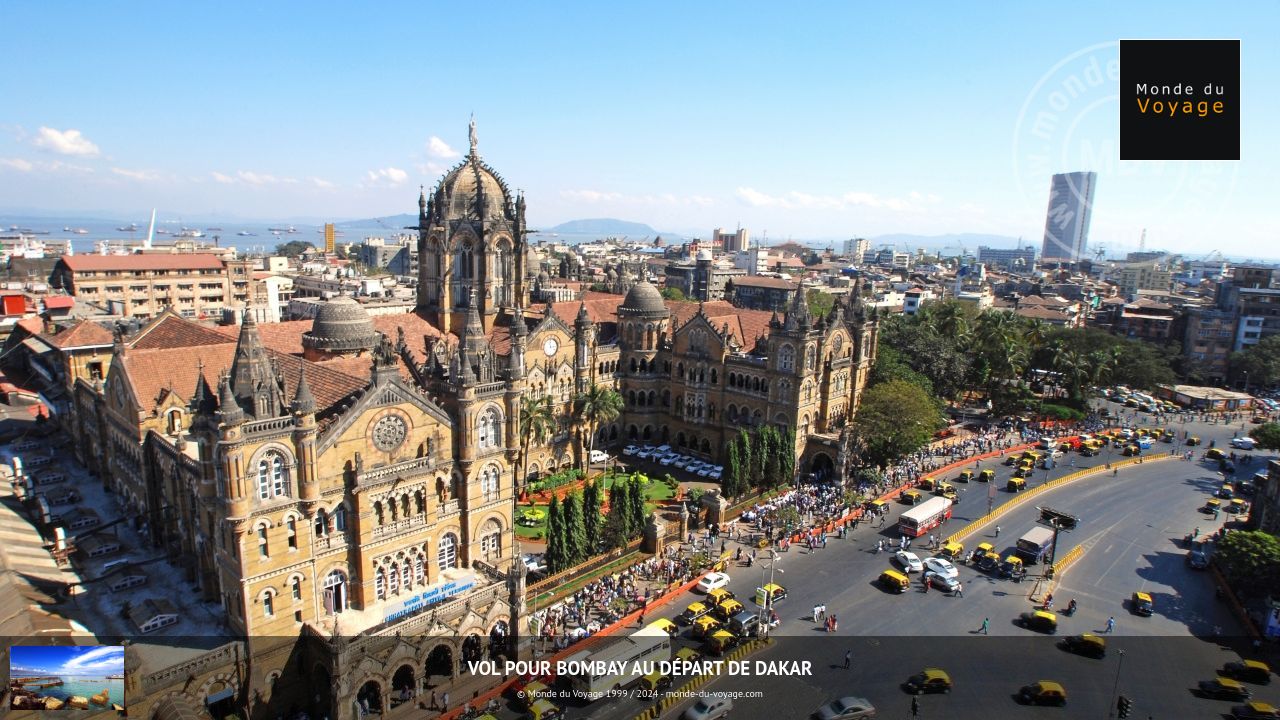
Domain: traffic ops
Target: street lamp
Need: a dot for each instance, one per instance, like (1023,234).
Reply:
(1116,687)
(767,605)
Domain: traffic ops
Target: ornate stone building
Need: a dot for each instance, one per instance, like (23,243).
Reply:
(344,487)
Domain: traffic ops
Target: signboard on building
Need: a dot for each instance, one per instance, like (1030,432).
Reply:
(431,596)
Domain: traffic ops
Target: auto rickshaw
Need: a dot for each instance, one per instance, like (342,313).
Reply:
(987,475)
(1167,436)
(952,550)
(1225,491)
(1132,450)
(876,507)
(770,594)
(1238,507)
(912,497)
(947,491)
(717,596)
(926,484)
(1087,644)
(1212,506)
(989,562)
(1012,460)
(1015,485)
(1023,472)
(666,626)
(720,642)
(544,710)
(1142,604)
(695,611)
(654,682)
(728,609)
(964,476)
(1012,567)
(703,626)
(688,655)
(532,693)
(1193,441)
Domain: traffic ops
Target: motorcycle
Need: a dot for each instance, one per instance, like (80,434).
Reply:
(1071,609)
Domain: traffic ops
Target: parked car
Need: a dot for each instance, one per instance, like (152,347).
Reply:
(709,708)
(599,456)
(630,450)
(846,708)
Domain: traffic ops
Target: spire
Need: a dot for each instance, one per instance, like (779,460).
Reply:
(229,411)
(474,327)
(254,380)
(304,403)
(798,317)
(518,327)
(203,399)
(422,201)
(583,318)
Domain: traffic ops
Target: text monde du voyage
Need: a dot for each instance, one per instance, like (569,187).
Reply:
(1179,100)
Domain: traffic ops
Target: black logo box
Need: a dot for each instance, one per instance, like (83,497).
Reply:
(1158,78)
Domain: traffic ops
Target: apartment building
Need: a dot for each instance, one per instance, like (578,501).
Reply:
(143,285)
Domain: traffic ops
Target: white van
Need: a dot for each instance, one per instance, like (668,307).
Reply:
(599,456)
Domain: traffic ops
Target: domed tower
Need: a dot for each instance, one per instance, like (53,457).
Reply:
(471,238)
(341,327)
(642,322)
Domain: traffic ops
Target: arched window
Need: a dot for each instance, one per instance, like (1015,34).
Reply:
(489,483)
(175,421)
(419,575)
(263,549)
(380,584)
(322,523)
(335,591)
(406,573)
(269,603)
(340,518)
(810,357)
(447,554)
(466,268)
(273,482)
(393,579)
(786,358)
(713,376)
(491,540)
(296,585)
(489,429)
(291,531)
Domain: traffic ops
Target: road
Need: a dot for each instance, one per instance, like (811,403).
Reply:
(1131,529)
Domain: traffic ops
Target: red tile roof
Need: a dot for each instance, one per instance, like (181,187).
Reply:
(170,330)
(82,334)
(149,261)
(762,281)
(744,325)
(59,302)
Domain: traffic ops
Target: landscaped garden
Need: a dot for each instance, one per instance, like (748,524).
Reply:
(533,510)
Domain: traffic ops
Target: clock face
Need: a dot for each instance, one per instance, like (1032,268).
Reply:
(389,432)
(550,346)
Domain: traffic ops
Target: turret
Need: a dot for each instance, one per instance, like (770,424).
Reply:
(229,412)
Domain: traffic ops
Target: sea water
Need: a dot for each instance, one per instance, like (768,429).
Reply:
(86,687)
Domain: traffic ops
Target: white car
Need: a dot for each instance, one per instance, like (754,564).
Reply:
(695,466)
(668,459)
(599,456)
(664,449)
(706,471)
(1243,443)
(846,708)
(715,474)
(941,566)
(644,453)
(713,581)
(630,450)
(909,561)
(680,461)
(709,708)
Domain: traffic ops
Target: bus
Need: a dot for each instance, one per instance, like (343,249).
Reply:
(924,517)
(648,644)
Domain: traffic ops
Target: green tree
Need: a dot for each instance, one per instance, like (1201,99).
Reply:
(746,457)
(592,520)
(575,529)
(293,248)
(760,448)
(557,559)
(1267,435)
(787,457)
(1250,561)
(889,365)
(1259,364)
(598,405)
(617,528)
(820,303)
(731,479)
(537,423)
(673,293)
(635,508)
(895,419)
(773,458)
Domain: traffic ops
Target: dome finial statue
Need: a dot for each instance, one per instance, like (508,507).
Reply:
(471,134)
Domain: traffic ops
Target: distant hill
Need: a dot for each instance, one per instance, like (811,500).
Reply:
(970,241)
(394,221)
(602,226)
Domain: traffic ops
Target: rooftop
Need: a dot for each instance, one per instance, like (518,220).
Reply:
(171,261)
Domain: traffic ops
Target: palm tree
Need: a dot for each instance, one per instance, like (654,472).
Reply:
(949,319)
(537,423)
(597,405)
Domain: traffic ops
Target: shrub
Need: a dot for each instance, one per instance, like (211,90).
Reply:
(1054,411)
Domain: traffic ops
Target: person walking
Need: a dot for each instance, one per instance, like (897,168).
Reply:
(986,626)
(1111,625)
(848,658)
(915,707)
(959,590)
(444,702)
(997,531)
(816,610)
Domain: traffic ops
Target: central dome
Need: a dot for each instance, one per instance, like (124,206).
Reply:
(460,187)
(644,297)
(341,326)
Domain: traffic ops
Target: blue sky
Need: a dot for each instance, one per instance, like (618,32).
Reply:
(806,120)
(83,660)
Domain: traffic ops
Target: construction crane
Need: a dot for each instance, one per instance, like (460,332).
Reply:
(1100,253)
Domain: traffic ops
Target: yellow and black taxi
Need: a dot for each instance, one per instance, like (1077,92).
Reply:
(720,642)
(703,626)
(1255,711)
(717,596)
(894,581)
(1041,621)
(926,484)
(654,682)
(1012,460)
(911,497)
(1131,450)
(1016,483)
(1167,436)
(688,655)
(770,594)
(951,550)
(1214,454)
(989,561)
(1221,688)
(1252,671)
(964,476)
(1193,441)
(728,609)
(1224,491)
(1211,506)
(948,491)
(987,475)
(1086,644)
(533,692)
(1142,604)
(544,710)
(666,626)
(929,680)
(1044,692)
(694,611)
(1237,506)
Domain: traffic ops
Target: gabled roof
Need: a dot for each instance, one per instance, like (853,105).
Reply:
(170,330)
(745,326)
(83,334)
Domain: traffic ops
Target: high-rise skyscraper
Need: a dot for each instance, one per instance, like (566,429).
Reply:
(1066,226)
